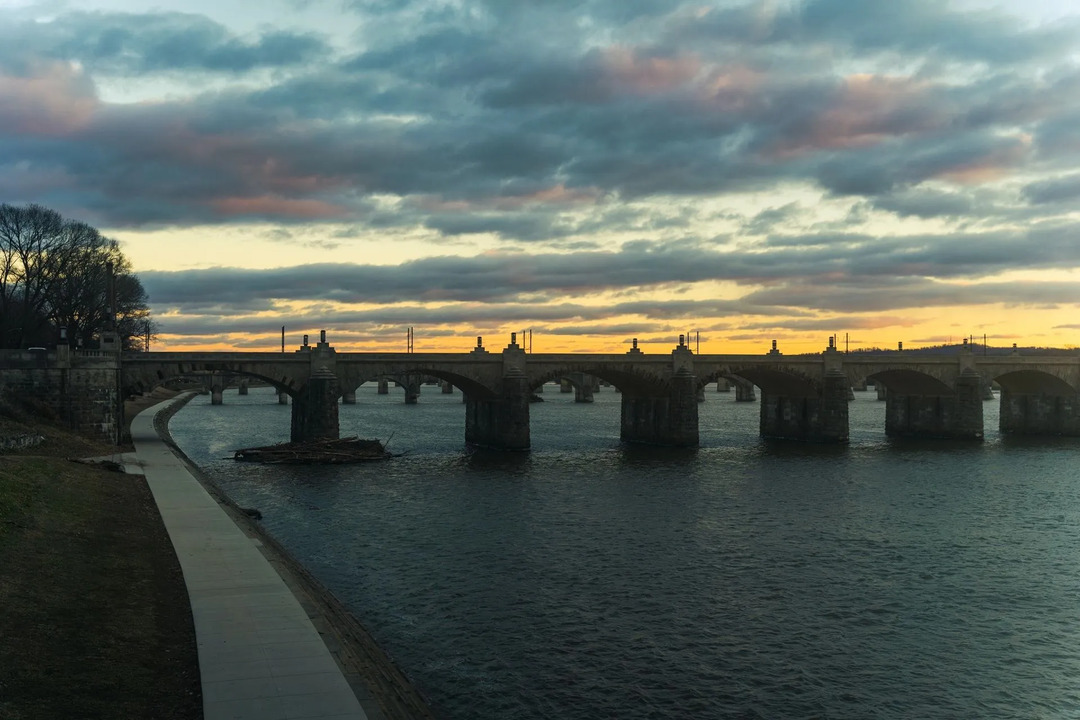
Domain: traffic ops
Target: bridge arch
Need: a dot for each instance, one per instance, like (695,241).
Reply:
(144,378)
(770,380)
(467,385)
(623,380)
(1033,382)
(910,382)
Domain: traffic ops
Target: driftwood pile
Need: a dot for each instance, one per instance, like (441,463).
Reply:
(316,452)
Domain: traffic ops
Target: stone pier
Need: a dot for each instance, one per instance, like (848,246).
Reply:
(957,414)
(817,414)
(315,409)
(383,387)
(348,397)
(447,387)
(501,422)
(1039,413)
(412,390)
(282,397)
(315,406)
(243,388)
(663,416)
(584,387)
(744,390)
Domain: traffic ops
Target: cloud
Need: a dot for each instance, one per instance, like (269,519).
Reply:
(156,42)
(798,271)
(1054,190)
(51,99)
(926,203)
(794,159)
(476,107)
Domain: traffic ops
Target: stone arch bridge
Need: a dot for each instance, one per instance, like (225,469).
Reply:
(803,397)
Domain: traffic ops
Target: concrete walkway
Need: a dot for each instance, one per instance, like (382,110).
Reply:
(259,655)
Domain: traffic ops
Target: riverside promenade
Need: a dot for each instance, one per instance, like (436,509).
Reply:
(260,656)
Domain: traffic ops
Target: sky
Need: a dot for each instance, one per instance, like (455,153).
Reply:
(593,171)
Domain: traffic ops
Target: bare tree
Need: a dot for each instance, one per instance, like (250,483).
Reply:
(28,237)
(53,273)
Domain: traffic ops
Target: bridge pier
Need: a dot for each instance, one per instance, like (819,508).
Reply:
(1039,414)
(670,419)
(447,387)
(882,393)
(565,386)
(348,397)
(584,386)
(956,416)
(282,397)
(744,390)
(722,385)
(243,388)
(315,409)
(384,387)
(412,391)
(502,422)
(668,416)
(820,418)
(217,391)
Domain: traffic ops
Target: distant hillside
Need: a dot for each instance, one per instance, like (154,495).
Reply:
(976,348)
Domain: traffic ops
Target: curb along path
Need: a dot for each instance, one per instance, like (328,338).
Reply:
(260,657)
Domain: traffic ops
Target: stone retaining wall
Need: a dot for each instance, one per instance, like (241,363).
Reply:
(79,389)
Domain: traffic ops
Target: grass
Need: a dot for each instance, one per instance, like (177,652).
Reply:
(95,619)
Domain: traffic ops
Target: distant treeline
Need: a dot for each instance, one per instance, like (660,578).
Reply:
(55,273)
(976,348)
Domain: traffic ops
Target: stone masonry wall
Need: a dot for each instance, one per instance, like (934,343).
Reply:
(84,398)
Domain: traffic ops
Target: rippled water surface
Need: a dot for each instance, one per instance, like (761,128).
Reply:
(740,580)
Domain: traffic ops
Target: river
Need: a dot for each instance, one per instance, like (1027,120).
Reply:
(744,579)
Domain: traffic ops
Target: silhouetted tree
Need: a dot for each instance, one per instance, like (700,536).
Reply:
(54,273)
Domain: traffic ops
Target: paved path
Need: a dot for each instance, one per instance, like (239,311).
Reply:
(259,655)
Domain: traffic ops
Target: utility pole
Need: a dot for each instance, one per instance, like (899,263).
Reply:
(110,293)
(282,338)
(409,341)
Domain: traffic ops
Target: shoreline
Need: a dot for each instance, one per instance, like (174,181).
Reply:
(383,689)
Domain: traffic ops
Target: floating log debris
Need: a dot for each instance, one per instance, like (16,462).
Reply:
(343,450)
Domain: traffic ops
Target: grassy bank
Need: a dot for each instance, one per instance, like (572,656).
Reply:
(96,621)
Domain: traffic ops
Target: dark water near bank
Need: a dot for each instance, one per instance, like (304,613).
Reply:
(740,580)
